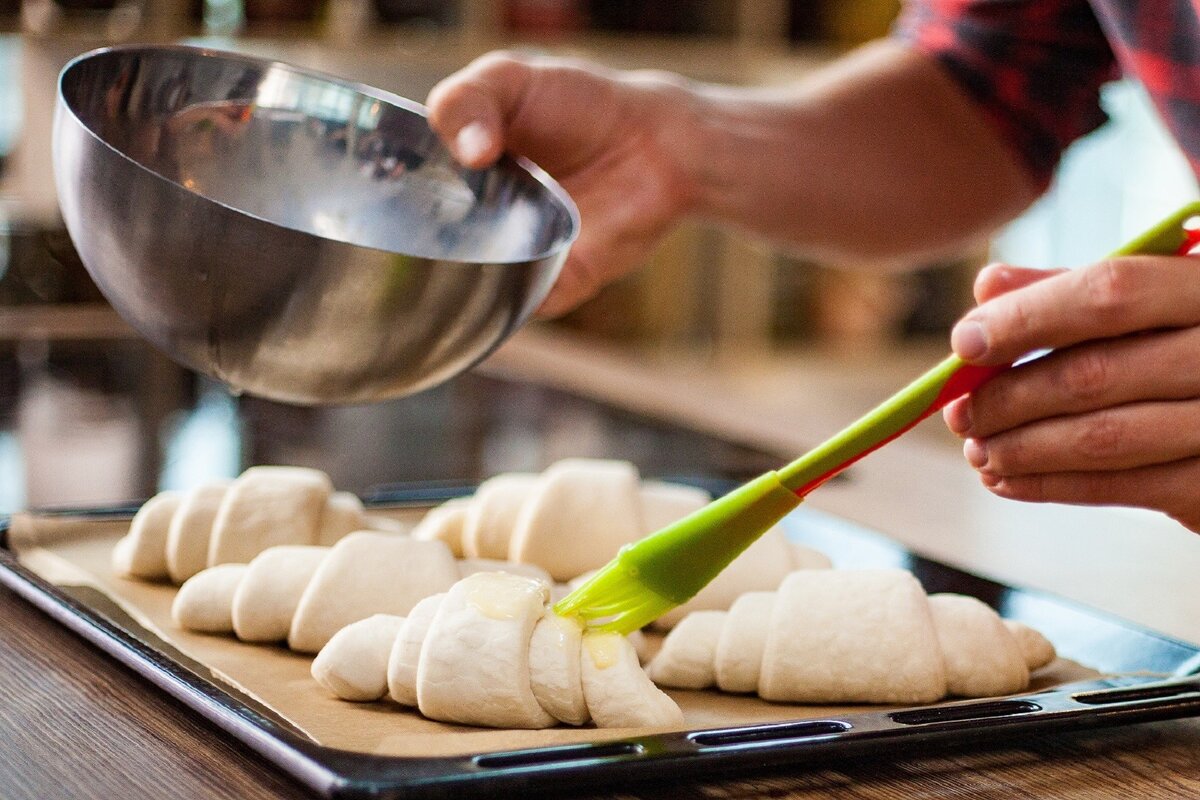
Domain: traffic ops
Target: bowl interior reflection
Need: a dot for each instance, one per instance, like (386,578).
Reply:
(325,157)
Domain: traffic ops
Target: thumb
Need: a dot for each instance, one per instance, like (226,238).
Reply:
(469,109)
(967,338)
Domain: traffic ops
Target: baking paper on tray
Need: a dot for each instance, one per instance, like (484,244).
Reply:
(280,680)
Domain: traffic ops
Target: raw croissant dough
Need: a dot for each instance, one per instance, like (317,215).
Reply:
(540,669)
(571,518)
(174,535)
(575,516)
(852,636)
(304,594)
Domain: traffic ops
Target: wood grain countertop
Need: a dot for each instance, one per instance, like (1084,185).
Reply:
(74,723)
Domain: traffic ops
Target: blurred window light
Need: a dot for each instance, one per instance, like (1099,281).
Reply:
(12,475)
(1111,185)
(223,17)
(204,444)
(10,93)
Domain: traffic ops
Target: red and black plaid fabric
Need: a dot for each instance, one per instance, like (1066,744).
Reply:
(1036,66)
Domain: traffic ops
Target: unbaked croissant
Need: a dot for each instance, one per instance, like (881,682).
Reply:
(576,515)
(578,512)
(852,636)
(175,534)
(305,593)
(489,652)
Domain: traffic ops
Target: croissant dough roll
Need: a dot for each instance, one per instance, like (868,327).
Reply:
(982,657)
(368,573)
(445,523)
(594,505)
(686,659)
(846,636)
(469,566)
(555,668)
(205,601)
(742,640)
(489,652)
(618,691)
(406,651)
(492,514)
(1035,648)
(142,553)
(492,613)
(805,557)
(664,504)
(268,506)
(343,514)
(354,664)
(190,530)
(270,592)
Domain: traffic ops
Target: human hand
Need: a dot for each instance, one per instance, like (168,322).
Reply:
(1112,415)
(606,136)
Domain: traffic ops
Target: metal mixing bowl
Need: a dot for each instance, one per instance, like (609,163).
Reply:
(295,235)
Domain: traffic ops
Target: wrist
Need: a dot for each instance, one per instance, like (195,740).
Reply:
(717,139)
(668,109)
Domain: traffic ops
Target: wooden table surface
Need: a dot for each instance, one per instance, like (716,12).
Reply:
(76,724)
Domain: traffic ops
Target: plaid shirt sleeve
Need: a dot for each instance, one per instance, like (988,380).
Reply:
(1035,67)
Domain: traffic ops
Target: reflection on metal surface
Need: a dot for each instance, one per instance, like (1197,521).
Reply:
(296,236)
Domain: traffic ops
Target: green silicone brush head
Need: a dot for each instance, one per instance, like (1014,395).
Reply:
(650,577)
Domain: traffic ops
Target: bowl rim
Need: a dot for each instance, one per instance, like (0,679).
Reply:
(553,187)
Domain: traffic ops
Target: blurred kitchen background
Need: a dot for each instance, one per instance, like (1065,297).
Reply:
(89,414)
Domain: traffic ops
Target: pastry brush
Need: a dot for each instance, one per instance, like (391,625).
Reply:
(667,568)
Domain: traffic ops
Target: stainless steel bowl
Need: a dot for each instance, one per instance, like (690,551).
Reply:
(297,236)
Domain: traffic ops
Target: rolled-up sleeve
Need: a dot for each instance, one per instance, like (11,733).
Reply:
(1035,67)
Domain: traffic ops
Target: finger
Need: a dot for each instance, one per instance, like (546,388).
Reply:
(1108,299)
(997,279)
(469,110)
(1170,488)
(957,415)
(1125,437)
(576,284)
(1087,377)
(622,218)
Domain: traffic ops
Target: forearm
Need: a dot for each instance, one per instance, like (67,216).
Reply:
(879,160)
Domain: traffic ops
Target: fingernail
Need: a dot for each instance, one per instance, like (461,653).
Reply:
(969,340)
(957,416)
(976,453)
(472,143)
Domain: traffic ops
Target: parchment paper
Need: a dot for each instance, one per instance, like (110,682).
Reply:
(78,555)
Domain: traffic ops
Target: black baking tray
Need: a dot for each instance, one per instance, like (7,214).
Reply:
(1156,677)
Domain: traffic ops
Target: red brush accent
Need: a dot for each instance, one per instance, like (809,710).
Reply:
(1191,239)
(966,379)
(815,482)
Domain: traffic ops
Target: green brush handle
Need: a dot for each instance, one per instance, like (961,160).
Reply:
(947,381)
(681,559)
(950,379)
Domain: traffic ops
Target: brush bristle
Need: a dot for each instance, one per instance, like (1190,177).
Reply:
(615,600)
